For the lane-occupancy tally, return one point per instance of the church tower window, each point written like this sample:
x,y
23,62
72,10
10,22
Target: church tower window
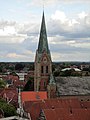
x,y
44,84
41,69
46,69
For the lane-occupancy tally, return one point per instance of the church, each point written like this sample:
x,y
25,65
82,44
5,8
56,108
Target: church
x,y
42,103
43,77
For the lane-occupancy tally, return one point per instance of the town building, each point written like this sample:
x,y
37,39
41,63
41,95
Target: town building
x,y
57,109
43,78
10,95
71,102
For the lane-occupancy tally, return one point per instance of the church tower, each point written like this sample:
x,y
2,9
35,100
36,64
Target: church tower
x,y
43,63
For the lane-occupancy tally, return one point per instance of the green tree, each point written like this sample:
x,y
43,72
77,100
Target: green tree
x,y
67,73
11,68
2,84
70,72
29,85
13,73
56,73
8,109
19,66
0,69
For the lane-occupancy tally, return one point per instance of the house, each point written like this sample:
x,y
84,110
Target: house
x,y
58,108
65,114
21,75
84,66
0,77
43,64
13,81
29,97
10,95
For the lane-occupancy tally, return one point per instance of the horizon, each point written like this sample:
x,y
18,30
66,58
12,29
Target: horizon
x,y
67,23
52,62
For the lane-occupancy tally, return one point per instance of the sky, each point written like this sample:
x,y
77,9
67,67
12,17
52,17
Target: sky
x,y
67,23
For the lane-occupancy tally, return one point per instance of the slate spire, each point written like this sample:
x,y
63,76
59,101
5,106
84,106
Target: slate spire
x,y
43,42
52,80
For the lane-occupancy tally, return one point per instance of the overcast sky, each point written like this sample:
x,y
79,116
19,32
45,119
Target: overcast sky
x,y
68,29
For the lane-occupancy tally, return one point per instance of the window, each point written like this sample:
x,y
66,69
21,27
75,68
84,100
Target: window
x,y
45,60
46,69
44,84
41,69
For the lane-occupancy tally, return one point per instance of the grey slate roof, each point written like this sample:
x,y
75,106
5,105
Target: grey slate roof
x,y
73,85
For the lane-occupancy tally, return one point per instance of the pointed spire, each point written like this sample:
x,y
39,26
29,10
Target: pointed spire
x,y
52,80
43,43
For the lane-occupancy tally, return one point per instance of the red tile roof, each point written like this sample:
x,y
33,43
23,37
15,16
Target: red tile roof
x,y
11,77
81,114
35,107
15,81
59,109
85,104
18,84
33,96
67,114
10,95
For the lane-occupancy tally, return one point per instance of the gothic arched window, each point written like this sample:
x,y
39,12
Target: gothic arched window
x,y
46,69
41,69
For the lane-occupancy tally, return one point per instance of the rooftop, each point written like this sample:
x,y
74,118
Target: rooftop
x,y
33,96
58,109
76,69
73,85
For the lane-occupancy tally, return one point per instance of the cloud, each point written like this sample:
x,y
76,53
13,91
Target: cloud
x,y
45,2
15,52
75,56
29,29
60,24
69,39
59,15
7,30
82,15
19,57
54,2
4,23
12,38
9,33
14,55
16,41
